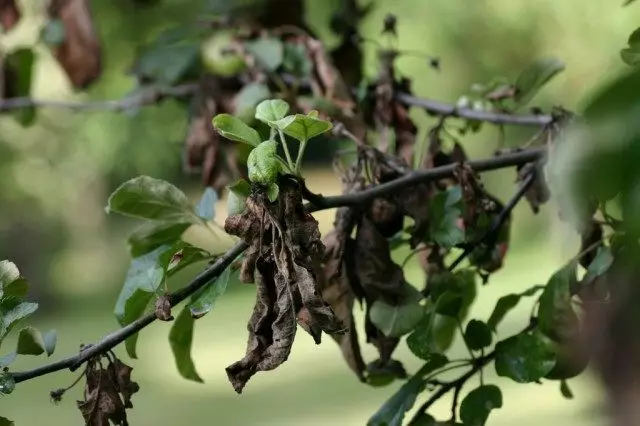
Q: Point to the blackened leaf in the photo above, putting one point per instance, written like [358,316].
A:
[534,77]
[180,339]
[267,51]
[476,406]
[143,279]
[152,235]
[206,206]
[303,127]
[247,99]
[154,199]
[171,58]
[565,390]
[19,71]
[53,33]
[80,53]
[392,412]
[203,301]
[9,14]
[477,335]
[524,358]
[396,321]
[30,342]
[271,110]
[237,198]
[235,129]
[506,304]
[599,265]
[555,313]
[50,339]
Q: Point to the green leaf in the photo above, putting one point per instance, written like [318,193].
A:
[180,339]
[173,57]
[30,342]
[152,235]
[143,279]
[153,199]
[19,66]
[507,303]
[600,264]
[7,383]
[8,273]
[380,373]
[477,335]
[267,51]
[524,358]
[248,98]
[303,127]
[392,412]
[446,214]
[182,255]
[421,341]
[235,129]
[271,110]
[477,405]
[50,339]
[396,321]
[206,206]
[534,77]
[424,419]
[273,191]
[565,390]
[296,60]
[203,301]
[4,421]
[449,304]
[17,289]
[263,163]
[13,310]
[556,316]
[53,33]
[237,198]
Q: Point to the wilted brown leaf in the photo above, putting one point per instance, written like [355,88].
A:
[80,54]
[126,387]
[9,14]
[163,308]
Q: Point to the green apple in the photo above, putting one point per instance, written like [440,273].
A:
[218,57]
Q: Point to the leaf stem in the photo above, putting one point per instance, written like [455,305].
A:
[303,145]
[287,154]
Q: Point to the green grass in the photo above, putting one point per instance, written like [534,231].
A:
[314,387]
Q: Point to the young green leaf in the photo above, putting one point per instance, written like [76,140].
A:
[272,192]
[267,51]
[203,301]
[181,339]
[206,206]
[8,273]
[534,77]
[143,279]
[153,199]
[477,405]
[392,412]
[556,317]
[506,304]
[271,110]
[13,310]
[238,194]
[303,127]
[524,358]
[477,335]
[235,129]
[263,164]
[396,321]
[152,235]
[30,342]
[50,339]
[18,68]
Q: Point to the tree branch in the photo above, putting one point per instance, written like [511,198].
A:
[113,339]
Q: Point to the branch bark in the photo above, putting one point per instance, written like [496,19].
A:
[115,338]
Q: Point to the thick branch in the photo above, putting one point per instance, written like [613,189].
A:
[205,277]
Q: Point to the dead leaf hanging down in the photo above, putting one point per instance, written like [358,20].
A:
[9,14]
[538,193]
[287,267]
[80,53]
[107,393]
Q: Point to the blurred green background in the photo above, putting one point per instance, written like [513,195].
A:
[55,178]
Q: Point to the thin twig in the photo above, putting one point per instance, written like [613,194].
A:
[113,339]
[456,398]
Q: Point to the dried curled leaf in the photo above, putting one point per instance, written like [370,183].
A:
[80,54]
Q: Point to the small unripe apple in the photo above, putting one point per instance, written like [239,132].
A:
[219,57]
